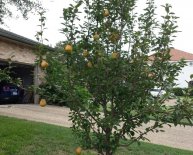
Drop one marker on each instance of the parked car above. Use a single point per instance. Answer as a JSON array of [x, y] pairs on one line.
[[10, 92], [157, 92]]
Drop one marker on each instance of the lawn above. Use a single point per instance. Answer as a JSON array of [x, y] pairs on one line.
[[21, 137]]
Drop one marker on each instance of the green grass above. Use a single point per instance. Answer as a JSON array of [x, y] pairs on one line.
[[20, 137]]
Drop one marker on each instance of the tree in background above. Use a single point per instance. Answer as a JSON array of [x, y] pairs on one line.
[[110, 74], [24, 6]]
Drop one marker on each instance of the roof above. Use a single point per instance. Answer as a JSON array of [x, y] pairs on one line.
[[15, 37], [177, 55]]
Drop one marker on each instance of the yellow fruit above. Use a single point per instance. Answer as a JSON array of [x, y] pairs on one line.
[[106, 13], [96, 36], [115, 55], [85, 53], [89, 64], [78, 150], [68, 48], [42, 103], [44, 64], [114, 37]]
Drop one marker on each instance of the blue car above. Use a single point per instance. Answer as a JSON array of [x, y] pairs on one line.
[[10, 93]]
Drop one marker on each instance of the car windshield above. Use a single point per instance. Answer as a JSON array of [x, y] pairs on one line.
[[5, 86]]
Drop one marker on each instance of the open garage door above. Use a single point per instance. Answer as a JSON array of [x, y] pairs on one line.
[[26, 74]]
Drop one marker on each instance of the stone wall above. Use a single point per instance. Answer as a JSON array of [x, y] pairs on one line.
[[16, 52]]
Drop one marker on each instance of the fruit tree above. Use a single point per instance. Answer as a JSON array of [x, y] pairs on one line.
[[110, 73]]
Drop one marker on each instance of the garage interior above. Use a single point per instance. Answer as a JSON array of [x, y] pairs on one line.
[[26, 74]]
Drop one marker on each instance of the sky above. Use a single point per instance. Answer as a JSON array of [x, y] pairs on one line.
[[28, 28]]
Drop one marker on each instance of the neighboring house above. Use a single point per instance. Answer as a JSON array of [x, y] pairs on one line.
[[184, 77], [21, 52]]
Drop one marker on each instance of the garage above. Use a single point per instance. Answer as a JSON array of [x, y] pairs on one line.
[[26, 74], [20, 52]]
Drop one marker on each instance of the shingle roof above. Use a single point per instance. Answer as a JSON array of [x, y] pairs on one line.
[[16, 37], [177, 55]]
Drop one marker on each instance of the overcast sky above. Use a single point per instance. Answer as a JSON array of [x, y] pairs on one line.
[[28, 28]]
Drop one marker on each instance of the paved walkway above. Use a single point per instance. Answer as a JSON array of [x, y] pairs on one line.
[[178, 137]]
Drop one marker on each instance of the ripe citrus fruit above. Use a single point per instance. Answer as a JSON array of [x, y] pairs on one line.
[[42, 103], [106, 13], [68, 48], [96, 36], [114, 37], [85, 53], [115, 55], [44, 64], [78, 150]]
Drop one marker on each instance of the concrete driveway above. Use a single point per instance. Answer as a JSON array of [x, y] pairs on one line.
[[178, 137]]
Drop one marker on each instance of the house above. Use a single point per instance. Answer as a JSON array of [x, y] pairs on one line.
[[184, 77], [20, 51]]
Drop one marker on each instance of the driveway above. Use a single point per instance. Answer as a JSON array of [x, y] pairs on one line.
[[179, 137]]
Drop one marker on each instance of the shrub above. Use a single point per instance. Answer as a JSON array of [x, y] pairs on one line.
[[182, 91], [178, 91], [54, 86]]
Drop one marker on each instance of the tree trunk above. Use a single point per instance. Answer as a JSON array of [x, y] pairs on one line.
[[108, 150]]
